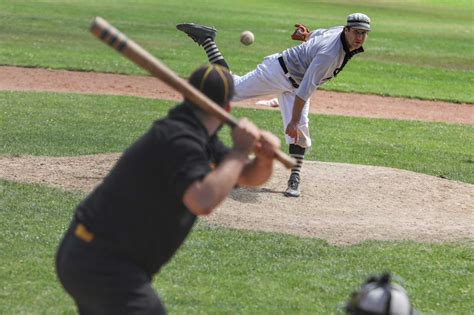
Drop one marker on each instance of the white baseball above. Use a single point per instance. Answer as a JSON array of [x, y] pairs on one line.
[[247, 38]]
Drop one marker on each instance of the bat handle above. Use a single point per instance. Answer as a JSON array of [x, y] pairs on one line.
[[285, 159]]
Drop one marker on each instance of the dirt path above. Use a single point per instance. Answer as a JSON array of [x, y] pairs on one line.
[[341, 203], [331, 103]]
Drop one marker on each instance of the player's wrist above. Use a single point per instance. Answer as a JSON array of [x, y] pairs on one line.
[[264, 159], [239, 154]]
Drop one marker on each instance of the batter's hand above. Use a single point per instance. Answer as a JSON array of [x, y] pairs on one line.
[[245, 135], [292, 130], [267, 145], [301, 32]]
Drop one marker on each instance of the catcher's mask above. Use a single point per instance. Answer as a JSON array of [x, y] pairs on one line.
[[378, 296]]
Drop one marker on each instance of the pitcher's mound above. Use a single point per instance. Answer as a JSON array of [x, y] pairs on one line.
[[340, 203], [346, 203]]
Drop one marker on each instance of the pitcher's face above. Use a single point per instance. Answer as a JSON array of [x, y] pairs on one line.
[[355, 37]]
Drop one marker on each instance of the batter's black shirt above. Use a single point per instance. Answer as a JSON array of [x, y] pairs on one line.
[[138, 207]]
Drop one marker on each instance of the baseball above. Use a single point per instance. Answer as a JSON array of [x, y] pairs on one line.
[[247, 38]]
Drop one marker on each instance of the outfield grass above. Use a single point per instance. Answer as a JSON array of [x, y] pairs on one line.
[[222, 271], [72, 124], [418, 48]]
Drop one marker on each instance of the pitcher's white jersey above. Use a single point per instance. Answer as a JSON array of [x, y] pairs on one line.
[[301, 71], [317, 60]]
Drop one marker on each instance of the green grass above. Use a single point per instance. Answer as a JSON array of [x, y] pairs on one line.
[[418, 48], [214, 274], [73, 124], [32, 219], [435, 149]]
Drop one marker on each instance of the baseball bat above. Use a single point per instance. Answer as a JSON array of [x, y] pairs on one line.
[[135, 53]]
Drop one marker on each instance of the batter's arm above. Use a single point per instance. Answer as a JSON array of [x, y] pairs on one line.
[[203, 196], [259, 170]]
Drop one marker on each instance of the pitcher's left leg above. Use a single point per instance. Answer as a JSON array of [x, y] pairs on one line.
[[297, 149], [204, 36]]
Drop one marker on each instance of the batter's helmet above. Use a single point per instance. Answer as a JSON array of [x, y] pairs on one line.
[[378, 296], [214, 81]]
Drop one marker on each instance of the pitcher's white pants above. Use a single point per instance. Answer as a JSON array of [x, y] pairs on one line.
[[268, 79]]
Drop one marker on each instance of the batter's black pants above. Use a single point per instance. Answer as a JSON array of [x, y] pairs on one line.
[[101, 281]]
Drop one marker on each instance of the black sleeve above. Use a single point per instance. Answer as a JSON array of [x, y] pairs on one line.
[[190, 162], [217, 149]]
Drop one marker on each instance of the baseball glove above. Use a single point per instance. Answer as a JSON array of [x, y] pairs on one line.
[[301, 32]]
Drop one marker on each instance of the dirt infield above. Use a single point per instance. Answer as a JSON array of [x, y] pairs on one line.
[[322, 102], [341, 203]]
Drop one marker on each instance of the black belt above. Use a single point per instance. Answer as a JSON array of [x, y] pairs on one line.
[[285, 70]]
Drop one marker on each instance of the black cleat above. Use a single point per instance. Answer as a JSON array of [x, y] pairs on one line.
[[199, 33], [293, 189]]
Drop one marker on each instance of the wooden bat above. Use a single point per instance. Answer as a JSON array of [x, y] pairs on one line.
[[135, 53]]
